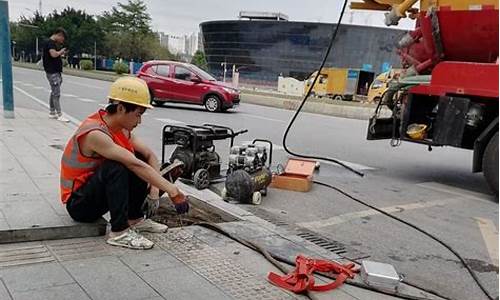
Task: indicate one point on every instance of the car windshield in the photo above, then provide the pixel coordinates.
(203, 74)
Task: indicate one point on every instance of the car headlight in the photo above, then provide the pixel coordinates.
(230, 90)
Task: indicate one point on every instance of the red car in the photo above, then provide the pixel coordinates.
(171, 81)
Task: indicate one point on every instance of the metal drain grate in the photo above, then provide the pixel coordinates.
(332, 246)
(267, 216)
(308, 235)
(23, 255)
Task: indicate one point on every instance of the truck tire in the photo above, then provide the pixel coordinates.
(490, 163)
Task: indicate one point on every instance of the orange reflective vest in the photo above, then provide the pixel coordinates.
(76, 168)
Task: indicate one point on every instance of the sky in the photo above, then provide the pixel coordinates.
(179, 17)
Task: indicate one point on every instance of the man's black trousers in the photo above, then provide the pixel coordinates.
(112, 188)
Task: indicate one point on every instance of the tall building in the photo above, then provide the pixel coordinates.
(267, 45)
(191, 43)
(176, 44)
(163, 39)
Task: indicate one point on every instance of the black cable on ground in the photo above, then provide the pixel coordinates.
(471, 272)
(334, 35)
(277, 260)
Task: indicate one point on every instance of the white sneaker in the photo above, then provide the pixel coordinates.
(62, 119)
(148, 225)
(53, 116)
(132, 240)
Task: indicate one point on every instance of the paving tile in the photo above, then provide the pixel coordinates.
(36, 276)
(23, 185)
(182, 283)
(108, 278)
(4, 293)
(62, 292)
(29, 213)
(38, 166)
(49, 184)
(3, 223)
(151, 260)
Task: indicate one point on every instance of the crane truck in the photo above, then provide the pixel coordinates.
(447, 94)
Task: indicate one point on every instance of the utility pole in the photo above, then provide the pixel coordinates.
(95, 55)
(6, 61)
(40, 7)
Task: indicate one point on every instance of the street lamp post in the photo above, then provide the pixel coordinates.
(6, 61)
(224, 71)
(95, 55)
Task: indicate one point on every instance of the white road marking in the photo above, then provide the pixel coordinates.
(263, 118)
(85, 85)
(490, 237)
(26, 84)
(455, 191)
(70, 95)
(349, 164)
(169, 121)
(370, 212)
(73, 120)
(87, 100)
(39, 87)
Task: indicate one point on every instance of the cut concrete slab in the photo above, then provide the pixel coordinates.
(30, 207)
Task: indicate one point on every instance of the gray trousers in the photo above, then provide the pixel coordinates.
(55, 81)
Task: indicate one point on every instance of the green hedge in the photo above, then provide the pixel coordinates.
(120, 68)
(86, 65)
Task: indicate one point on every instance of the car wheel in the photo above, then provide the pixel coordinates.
(153, 101)
(213, 103)
(338, 98)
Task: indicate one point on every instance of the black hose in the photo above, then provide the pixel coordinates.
(277, 260)
(433, 237)
(334, 35)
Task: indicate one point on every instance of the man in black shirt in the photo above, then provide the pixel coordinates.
(52, 64)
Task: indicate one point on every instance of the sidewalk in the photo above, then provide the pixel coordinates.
(30, 207)
(46, 255)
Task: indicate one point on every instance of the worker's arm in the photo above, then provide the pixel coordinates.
(54, 53)
(100, 143)
(150, 159)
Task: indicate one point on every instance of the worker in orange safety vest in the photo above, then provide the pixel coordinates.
(105, 167)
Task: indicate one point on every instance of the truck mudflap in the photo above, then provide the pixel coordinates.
(480, 145)
(382, 128)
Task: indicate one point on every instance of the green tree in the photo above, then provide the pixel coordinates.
(82, 28)
(128, 31)
(200, 60)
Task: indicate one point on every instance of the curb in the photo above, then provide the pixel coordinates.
(77, 230)
(337, 110)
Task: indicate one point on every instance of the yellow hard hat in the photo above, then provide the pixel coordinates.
(131, 90)
(416, 131)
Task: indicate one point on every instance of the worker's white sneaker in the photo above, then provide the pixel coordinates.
(132, 240)
(61, 118)
(148, 225)
(53, 116)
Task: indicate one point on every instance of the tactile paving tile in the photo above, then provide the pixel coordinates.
(72, 250)
(253, 288)
(228, 275)
(24, 254)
